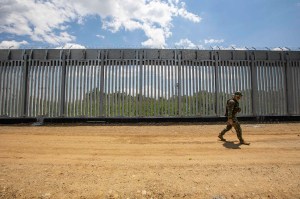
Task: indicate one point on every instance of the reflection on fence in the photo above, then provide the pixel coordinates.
(146, 83)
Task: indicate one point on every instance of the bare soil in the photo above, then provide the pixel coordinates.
(148, 161)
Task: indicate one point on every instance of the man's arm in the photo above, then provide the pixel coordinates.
(230, 108)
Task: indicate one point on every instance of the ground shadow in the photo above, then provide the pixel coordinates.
(231, 145)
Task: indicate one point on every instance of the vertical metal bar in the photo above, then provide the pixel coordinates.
(261, 86)
(62, 95)
(297, 82)
(140, 78)
(170, 83)
(217, 91)
(149, 72)
(71, 64)
(136, 81)
(126, 91)
(197, 88)
(162, 86)
(43, 88)
(206, 103)
(110, 84)
(2, 71)
(68, 89)
(276, 90)
(53, 80)
(289, 84)
(155, 86)
(116, 91)
(257, 110)
(145, 88)
(83, 89)
(76, 94)
(189, 84)
(8, 84)
(179, 84)
(91, 87)
(17, 89)
(46, 90)
(10, 89)
(80, 91)
(268, 93)
(105, 89)
(241, 69)
(186, 89)
(5, 90)
(31, 88)
(1, 87)
(13, 90)
(160, 75)
(123, 63)
(130, 100)
(75, 87)
(38, 88)
(35, 89)
(117, 87)
(57, 63)
(97, 88)
(281, 85)
(120, 88)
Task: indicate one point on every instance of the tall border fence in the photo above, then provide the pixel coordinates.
(146, 83)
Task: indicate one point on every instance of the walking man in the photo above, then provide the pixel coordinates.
(232, 108)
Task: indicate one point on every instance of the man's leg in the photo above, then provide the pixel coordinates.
(239, 134)
(228, 127)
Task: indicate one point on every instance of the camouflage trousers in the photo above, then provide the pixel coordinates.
(237, 128)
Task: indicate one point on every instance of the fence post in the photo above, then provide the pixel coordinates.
(63, 84)
(215, 58)
(253, 68)
(140, 96)
(179, 83)
(288, 85)
(25, 84)
(101, 56)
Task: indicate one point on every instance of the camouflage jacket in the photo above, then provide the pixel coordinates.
(232, 108)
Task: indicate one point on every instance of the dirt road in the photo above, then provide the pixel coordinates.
(166, 161)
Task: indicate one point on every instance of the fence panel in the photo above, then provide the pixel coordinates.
(11, 88)
(137, 83)
(44, 80)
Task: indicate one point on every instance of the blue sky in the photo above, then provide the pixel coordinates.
(189, 24)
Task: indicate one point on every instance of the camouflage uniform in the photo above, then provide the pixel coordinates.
(232, 108)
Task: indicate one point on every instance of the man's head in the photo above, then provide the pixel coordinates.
(238, 95)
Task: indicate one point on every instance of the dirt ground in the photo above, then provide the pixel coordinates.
(149, 161)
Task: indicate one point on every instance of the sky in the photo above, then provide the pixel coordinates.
(162, 24)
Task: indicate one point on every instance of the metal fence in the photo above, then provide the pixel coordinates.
(133, 83)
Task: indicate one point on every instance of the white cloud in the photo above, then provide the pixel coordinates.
(47, 20)
(71, 46)
(213, 41)
(12, 44)
(185, 44)
(41, 20)
(100, 36)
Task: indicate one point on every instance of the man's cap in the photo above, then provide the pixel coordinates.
(238, 93)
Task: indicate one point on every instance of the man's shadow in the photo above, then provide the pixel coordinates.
(231, 145)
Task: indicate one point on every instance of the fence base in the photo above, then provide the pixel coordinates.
(156, 120)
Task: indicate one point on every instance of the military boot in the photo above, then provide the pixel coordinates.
(243, 142)
(221, 137)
